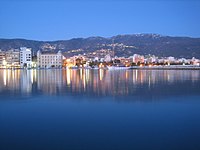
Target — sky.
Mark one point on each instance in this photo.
(65, 19)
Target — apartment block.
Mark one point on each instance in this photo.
(49, 60)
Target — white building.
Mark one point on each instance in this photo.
(138, 58)
(25, 57)
(171, 59)
(48, 60)
(183, 60)
(107, 58)
(96, 59)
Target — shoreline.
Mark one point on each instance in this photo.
(175, 67)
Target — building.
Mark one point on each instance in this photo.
(2, 59)
(12, 58)
(138, 58)
(171, 60)
(77, 60)
(48, 60)
(25, 57)
(107, 58)
(9, 59)
(195, 61)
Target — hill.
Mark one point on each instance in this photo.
(123, 45)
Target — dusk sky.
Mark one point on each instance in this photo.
(56, 20)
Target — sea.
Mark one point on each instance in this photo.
(85, 109)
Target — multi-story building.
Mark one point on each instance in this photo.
(2, 58)
(138, 58)
(48, 60)
(25, 57)
(12, 58)
(9, 58)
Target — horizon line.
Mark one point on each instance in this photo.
(106, 37)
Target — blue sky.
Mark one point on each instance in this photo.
(56, 20)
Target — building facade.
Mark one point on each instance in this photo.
(138, 58)
(9, 59)
(2, 59)
(48, 60)
(12, 58)
(25, 57)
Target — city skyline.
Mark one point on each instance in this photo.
(51, 20)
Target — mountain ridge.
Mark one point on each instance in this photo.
(135, 34)
(123, 45)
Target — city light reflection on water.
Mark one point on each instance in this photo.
(99, 109)
(100, 82)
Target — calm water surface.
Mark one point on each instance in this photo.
(99, 109)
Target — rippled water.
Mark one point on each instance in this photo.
(99, 109)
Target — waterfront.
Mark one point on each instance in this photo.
(99, 109)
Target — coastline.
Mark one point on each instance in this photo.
(175, 67)
(170, 67)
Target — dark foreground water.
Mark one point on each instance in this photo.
(99, 110)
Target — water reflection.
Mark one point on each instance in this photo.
(101, 82)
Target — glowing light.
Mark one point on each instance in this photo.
(33, 64)
(4, 77)
(84, 81)
(100, 65)
(4, 63)
(87, 75)
(149, 82)
(101, 74)
(136, 75)
(31, 74)
(81, 73)
(126, 75)
(68, 76)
